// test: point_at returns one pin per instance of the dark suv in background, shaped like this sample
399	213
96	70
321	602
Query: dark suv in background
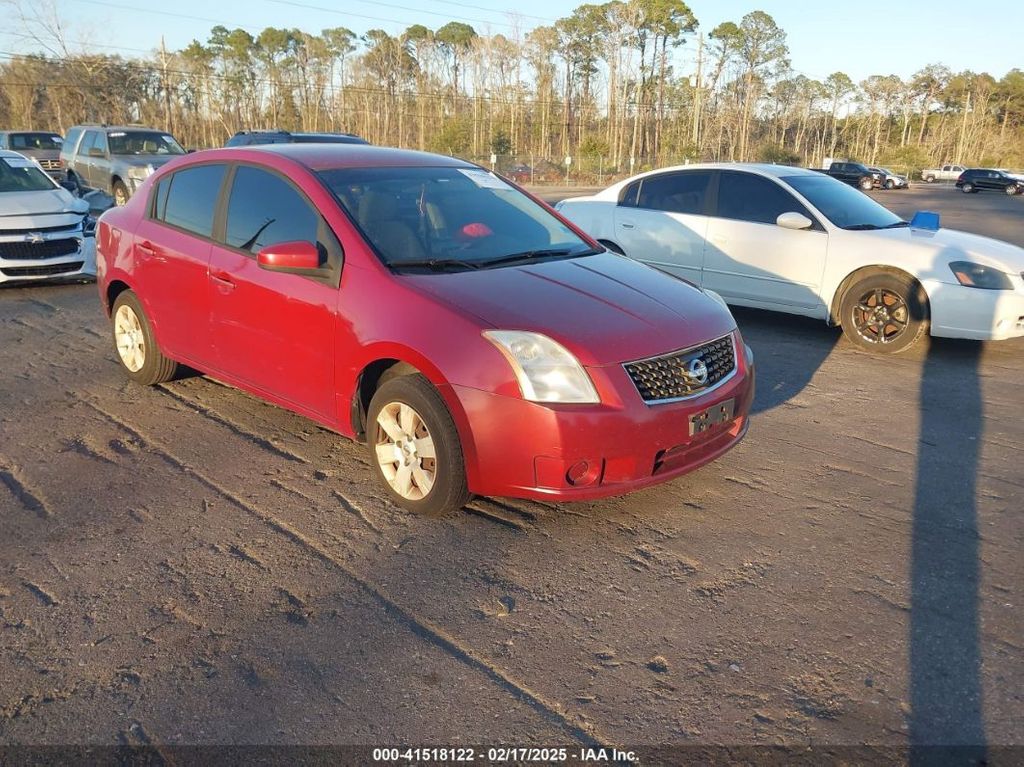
116	158
974	180
253	137
41	146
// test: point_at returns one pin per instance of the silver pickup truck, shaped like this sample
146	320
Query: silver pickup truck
945	173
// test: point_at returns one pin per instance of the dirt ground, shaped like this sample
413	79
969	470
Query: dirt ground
187	565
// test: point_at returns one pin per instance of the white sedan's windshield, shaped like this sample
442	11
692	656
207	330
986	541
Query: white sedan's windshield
22	175
841	204
442	218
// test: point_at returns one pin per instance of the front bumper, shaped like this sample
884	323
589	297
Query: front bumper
523	449
984	315
80	265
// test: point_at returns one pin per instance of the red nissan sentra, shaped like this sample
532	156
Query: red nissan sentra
475	340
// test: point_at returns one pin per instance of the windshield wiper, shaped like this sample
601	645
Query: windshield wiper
436	264
535	255
897	225
860	227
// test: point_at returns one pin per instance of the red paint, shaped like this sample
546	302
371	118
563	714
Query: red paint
303	343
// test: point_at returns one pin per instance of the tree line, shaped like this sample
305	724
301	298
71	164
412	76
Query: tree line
604	82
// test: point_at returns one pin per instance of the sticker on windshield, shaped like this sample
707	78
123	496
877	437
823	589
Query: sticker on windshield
168	139
483	179
117	135
19	162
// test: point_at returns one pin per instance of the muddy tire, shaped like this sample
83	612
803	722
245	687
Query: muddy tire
136	348
414	447
120	193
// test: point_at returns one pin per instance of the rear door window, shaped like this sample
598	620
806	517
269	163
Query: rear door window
683	192
264	209
88	141
188	198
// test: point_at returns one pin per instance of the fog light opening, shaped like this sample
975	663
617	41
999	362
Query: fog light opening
583	473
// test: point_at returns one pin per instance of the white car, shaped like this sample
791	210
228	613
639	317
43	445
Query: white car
797	241
45	231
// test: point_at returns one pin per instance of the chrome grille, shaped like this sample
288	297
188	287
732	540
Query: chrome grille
676	376
50	164
18	251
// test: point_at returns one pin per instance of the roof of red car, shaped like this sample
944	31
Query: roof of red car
323	156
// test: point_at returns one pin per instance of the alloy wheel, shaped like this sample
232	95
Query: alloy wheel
881	316
130	340
405	451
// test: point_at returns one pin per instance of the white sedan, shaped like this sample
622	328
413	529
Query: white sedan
797	241
45	231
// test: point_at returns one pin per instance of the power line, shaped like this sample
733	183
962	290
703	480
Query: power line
308	6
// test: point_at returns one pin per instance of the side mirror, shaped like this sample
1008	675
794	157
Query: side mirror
96	152
190	151
286	256
794	220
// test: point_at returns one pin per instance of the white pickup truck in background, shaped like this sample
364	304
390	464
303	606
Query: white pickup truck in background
945	173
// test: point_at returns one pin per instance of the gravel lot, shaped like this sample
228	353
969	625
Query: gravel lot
187	565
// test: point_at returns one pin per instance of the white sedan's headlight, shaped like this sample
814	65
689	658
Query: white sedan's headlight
546	370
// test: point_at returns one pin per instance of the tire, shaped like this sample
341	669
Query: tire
1012	189
897	328
929	179
612	247
119	192
890	184
136	348
73	179
967	188
866	184
443	474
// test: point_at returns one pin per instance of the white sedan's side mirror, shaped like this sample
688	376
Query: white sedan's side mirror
793	220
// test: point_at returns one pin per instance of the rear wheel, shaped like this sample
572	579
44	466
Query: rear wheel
136	347
415	447
1012	189
885	313
890	184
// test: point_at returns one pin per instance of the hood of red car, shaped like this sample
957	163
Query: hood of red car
604	308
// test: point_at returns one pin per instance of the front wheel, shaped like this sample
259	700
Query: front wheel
136	347
929	179
885	313
867	184
967	188
1012	189
415	446
120	193
890	184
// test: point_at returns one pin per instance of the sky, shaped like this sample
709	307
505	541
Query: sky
859	37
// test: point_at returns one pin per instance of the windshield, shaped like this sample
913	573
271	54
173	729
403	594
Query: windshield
449	218
841	204
143	143
18	174
36	141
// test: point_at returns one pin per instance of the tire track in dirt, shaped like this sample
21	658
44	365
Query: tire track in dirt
233	426
581	730
29	497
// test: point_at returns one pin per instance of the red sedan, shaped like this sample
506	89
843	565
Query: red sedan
472	338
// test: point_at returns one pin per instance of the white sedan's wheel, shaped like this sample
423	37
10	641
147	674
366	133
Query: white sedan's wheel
405	451
131	341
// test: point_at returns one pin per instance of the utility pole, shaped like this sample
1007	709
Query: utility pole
698	97
168	116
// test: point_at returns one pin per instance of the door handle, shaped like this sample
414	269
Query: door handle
223	278
625	225
146	248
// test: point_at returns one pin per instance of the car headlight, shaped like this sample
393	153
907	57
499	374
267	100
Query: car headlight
974	275
140	172
546	370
